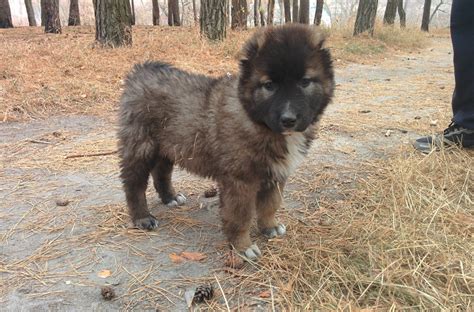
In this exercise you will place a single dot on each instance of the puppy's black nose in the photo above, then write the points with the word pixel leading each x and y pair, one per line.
pixel 288 120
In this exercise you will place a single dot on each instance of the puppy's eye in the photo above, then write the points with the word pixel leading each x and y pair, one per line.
pixel 305 82
pixel 269 85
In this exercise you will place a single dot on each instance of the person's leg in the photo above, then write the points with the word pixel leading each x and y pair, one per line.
pixel 461 130
pixel 462 36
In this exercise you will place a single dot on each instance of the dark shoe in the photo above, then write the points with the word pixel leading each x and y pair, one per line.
pixel 453 135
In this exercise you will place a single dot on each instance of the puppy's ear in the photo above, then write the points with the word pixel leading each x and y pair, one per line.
pixel 251 47
pixel 317 39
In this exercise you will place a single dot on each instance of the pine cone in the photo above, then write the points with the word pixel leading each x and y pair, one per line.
pixel 204 292
pixel 211 192
pixel 107 292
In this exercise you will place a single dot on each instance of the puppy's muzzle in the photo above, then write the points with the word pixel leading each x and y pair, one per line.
pixel 288 120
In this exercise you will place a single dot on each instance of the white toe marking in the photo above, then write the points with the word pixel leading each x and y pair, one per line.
pixel 281 229
pixel 180 199
pixel 271 233
pixel 256 250
pixel 250 254
pixel 172 203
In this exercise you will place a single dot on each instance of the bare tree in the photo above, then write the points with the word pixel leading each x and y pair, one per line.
pixel 261 11
pixel 425 21
pixel 213 19
pixel 270 11
pixel 43 12
pixel 295 11
pixel 436 9
pixel 390 12
pixel 239 14
pixel 5 15
pixel 74 16
pixel 30 12
pixel 156 12
pixel 195 12
pixel 133 11
pixel 365 20
pixel 256 6
pixel 304 11
pixel 53 23
pixel 402 14
pixel 173 13
pixel 113 22
pixel 286 4
pixel 319 12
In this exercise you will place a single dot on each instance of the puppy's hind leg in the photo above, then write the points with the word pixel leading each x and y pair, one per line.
pixel 269 199
pixel 162 181
pixel 134 173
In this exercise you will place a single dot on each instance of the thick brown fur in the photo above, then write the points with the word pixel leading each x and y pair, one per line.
pixel 247 132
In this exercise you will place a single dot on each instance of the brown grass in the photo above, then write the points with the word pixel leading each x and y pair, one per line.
pixel 44 74
pixel 402 240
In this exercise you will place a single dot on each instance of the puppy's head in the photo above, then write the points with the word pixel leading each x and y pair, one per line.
pixel 286 77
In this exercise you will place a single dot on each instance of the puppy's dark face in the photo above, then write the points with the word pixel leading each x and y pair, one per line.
pixel 286 77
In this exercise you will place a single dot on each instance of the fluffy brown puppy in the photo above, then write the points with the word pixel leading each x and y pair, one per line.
pixel 247 132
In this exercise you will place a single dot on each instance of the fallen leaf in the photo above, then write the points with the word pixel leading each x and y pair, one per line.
pixel 104 273
pixel 176 258
pixel 194 256
pixel 265 294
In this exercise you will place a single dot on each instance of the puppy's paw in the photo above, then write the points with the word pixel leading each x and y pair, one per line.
pixel 179 200
pixel 272 232
pixel 252 253
pixel 148 223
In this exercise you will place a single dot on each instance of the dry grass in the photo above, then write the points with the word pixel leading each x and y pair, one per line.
pixel 41 74
pixel 402 241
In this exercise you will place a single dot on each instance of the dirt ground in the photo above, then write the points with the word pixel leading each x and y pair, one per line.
pixel 56 258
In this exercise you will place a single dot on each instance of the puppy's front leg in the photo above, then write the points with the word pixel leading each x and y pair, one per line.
pixel 269 199
pixel 238 200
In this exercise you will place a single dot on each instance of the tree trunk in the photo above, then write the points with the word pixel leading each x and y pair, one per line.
pixel 390 12
pixel 401 14
pixel 5 15
pixel 319 12
pixel 133 11
pixel 295 11
pixel 256 5
pixel 213 19
pixel 286 4
pixel 30 12
pixel 436 9
pixel 53 23
pixel 173 13
pixel 425 22
pixel 113 22
pixel 261 11
pixel 156 12
pixel 195 13
pixel 365 20
pixel 280 6
pixel 74 16
pixel 304 11
pixel 43 12
pixel 239 14
pixel 270 11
